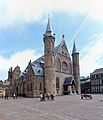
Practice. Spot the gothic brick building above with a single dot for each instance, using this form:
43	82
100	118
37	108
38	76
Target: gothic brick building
54	72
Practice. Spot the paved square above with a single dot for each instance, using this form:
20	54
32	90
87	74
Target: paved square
63	108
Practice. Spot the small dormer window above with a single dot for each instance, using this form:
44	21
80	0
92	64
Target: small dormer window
62	52
42	58
38	71
64	66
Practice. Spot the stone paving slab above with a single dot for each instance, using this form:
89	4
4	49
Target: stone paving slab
63	108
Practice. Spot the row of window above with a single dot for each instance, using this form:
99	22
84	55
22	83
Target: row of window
97	89
100	75
96	81
29	87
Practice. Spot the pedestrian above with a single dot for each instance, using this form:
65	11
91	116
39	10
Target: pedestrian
6	96
1	95
41	97
14	95
52	96
47	95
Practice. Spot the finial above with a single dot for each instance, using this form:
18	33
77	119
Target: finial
74	47
48	31
48	17
63	36
74	38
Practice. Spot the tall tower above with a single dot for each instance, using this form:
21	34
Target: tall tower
49	69
76	70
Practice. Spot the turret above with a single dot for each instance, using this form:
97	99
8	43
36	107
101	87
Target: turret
76	71
49	41
10	72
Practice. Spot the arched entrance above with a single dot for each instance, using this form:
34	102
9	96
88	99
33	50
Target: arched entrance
69	86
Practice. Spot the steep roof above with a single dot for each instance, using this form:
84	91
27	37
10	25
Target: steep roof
39	71
69	80
48	31
74	48
38	64
61	48
100	70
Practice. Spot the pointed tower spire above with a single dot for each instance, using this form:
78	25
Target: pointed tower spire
74	47
63	37
48	31
76	68
49	68
63	41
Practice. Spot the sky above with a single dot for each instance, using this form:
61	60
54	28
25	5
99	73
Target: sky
23	23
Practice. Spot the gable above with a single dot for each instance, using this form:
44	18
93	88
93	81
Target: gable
62	59
62	49
29	70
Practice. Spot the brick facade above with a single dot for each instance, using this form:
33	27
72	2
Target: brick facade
47	74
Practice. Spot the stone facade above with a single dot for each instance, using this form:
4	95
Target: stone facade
51	73
1	89
5	88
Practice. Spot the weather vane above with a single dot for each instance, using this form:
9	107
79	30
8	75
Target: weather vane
63	36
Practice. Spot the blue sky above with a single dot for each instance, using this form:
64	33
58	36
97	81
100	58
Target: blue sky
23	23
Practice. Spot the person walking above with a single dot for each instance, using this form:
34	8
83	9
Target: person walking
52	96
14	95
41	97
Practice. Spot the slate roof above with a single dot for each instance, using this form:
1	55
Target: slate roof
68	80
6	83
48	31
38	64
39	71
98	71
74	48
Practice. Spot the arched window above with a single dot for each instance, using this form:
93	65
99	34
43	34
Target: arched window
40	87
27	87
30	86
64	66
57	82
58	65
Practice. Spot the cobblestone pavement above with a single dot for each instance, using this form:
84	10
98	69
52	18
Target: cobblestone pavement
62	108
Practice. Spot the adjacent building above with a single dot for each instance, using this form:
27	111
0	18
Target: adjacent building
85	83
97	81
1	88
5	88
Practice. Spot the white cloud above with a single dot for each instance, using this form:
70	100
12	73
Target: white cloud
93	55
12	11
20	58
